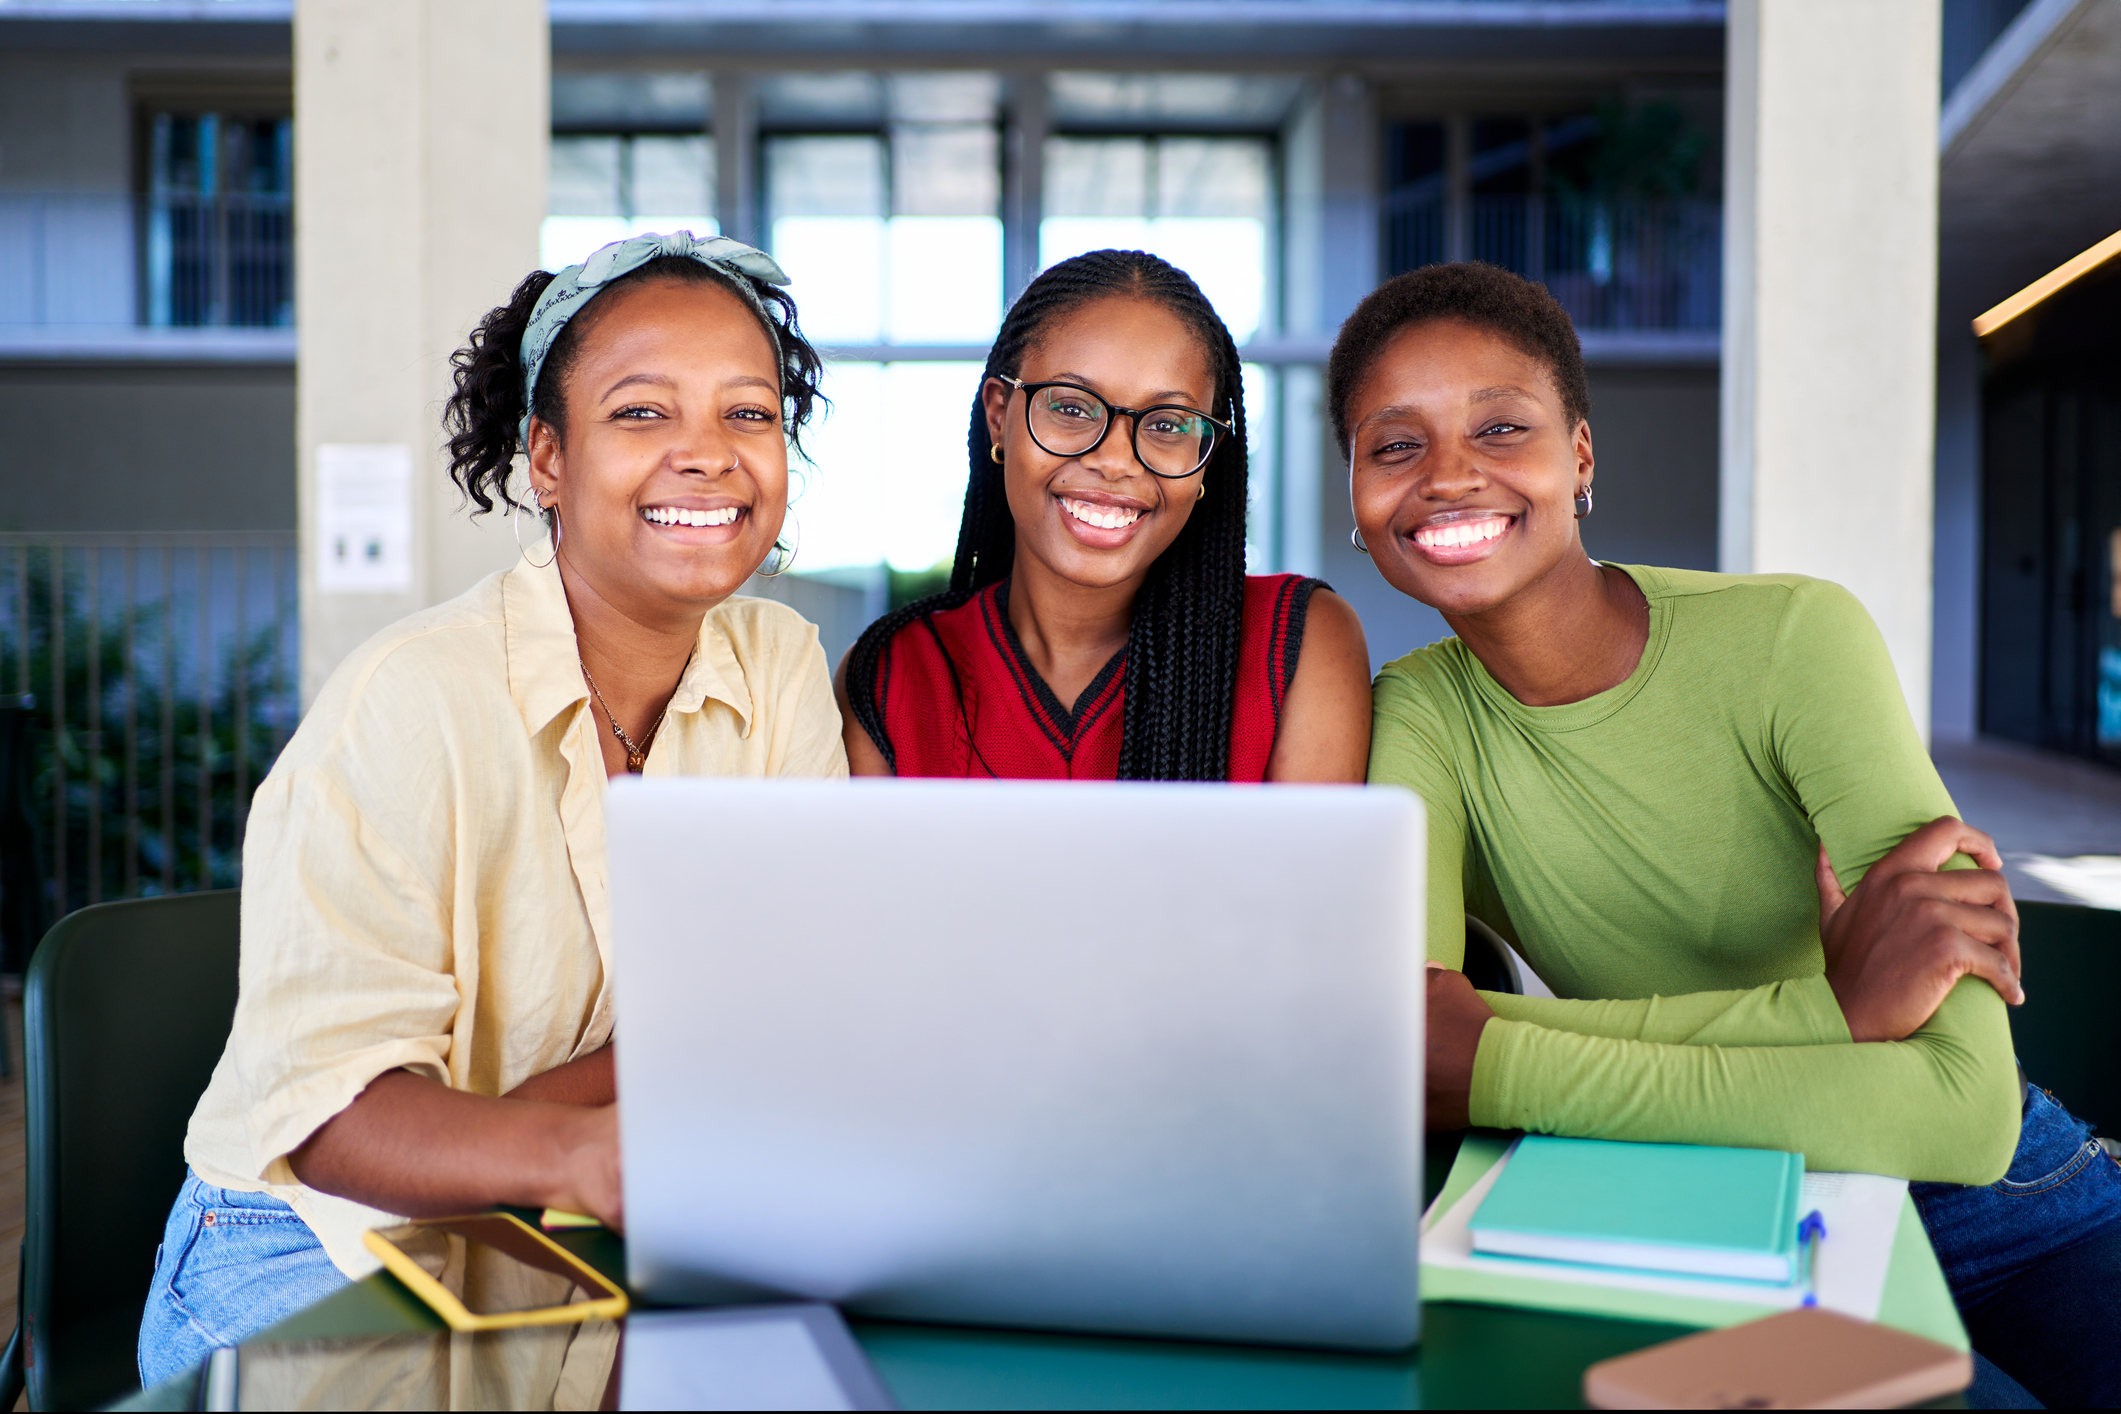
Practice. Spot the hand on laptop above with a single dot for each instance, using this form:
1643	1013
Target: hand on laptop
1899	941
1457	1016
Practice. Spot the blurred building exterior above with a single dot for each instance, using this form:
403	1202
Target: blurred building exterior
1736	224
2028	593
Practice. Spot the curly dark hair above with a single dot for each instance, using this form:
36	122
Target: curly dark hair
1519	311
1181	673
485	413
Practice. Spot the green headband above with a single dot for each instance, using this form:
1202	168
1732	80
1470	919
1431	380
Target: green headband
576	285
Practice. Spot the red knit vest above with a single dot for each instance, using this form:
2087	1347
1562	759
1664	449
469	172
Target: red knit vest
960	698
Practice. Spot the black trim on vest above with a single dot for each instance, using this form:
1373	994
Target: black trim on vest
1060	723
1289	616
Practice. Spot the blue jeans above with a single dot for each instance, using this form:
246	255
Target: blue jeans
2034	1263
230	1265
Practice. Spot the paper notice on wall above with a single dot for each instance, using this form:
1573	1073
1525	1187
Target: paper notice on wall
364	520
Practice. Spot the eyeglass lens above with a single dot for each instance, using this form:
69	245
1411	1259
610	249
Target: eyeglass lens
1170	441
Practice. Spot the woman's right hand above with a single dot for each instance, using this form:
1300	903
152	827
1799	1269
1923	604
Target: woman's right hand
1899	941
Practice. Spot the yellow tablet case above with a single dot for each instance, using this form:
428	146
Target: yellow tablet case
444	1302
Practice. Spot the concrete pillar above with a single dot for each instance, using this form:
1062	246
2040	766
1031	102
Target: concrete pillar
736	127
1027	123
1329	262
1829	318
420	146
1955	687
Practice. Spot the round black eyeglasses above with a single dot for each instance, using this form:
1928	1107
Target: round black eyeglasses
1068	420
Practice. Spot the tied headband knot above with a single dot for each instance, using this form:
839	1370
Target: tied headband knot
576	285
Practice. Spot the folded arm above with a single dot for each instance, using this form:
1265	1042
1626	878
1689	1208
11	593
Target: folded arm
1769	1066
1942	1105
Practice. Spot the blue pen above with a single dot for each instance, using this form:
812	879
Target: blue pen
1810	1233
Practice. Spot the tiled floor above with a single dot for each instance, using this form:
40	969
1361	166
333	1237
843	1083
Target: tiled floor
2033	802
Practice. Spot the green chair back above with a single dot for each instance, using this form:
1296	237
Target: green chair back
2065	1032
126	1009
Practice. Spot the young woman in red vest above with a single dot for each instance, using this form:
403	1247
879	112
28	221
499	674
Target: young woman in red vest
1099	623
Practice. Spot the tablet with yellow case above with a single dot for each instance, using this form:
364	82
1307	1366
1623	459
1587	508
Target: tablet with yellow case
417	1252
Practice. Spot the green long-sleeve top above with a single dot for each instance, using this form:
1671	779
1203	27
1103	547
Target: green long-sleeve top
1650	852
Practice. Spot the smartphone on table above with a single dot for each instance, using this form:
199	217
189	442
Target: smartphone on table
493	1271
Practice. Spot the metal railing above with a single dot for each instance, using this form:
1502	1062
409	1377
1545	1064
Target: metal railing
159	676
179	261
1613	264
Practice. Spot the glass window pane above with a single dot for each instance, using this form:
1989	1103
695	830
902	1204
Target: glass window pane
582	195
831	100
826	198
1203	204
1212	177
631	102
951	97
945	279
888	479
945	245
945	171
1148	101
672	181
1097	177
825	176
835	268
582	177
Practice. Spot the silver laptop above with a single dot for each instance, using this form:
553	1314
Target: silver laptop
1129	1058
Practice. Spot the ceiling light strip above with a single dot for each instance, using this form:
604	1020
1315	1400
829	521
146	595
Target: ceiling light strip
2047	285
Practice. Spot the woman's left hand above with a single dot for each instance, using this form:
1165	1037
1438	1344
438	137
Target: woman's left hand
1457	1016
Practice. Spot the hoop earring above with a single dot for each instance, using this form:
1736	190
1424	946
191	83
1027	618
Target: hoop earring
1202	494
994	450
1583	501
1355	539
781	557
516	521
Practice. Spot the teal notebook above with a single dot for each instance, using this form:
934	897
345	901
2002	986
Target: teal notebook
1681	1208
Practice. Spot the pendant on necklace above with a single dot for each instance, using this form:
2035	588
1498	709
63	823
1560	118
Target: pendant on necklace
635	760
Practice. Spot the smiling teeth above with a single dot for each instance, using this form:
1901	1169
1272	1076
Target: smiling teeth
674	515
1462	532
1103	517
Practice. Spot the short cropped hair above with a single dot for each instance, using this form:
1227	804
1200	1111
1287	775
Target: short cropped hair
1519	311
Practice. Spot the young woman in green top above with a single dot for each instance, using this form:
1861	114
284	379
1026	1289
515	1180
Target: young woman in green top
1697	805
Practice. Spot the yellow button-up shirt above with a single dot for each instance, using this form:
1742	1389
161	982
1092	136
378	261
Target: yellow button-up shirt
424	879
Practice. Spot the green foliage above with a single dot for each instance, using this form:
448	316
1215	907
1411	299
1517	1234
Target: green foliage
909	585
1643	150
160	816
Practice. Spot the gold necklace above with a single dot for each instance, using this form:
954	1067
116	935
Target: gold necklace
636	756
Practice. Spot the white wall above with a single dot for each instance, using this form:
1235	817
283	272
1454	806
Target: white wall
420	129
1829	324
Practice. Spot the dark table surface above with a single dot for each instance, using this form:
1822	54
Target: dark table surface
1469	1356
